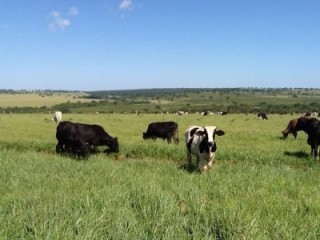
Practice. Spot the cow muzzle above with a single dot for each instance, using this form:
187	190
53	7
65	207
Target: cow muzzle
212	146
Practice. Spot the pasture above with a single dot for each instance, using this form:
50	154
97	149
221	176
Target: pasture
41	99
261	187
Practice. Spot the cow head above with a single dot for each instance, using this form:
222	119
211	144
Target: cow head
145	135
208	144
286	132
291	128
113	145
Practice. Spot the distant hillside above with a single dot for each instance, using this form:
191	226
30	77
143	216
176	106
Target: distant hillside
232	100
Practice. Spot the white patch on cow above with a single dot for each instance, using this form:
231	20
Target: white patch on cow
210	131
57	117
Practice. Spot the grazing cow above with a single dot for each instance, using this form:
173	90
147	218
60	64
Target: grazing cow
222	113
206	113
311	126
164	130
57	117
181	113
291	128
311	114
200	141
79	138
262	116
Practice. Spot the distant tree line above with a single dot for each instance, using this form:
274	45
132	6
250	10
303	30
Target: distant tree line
232	100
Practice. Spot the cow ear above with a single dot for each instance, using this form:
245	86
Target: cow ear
219	132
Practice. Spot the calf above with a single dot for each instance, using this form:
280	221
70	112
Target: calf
311	126
164	130
200	141
80	138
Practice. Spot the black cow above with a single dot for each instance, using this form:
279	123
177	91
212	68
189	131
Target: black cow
262	116
79	138
311	126
164	130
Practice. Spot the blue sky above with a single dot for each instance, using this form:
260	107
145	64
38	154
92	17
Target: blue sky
130	44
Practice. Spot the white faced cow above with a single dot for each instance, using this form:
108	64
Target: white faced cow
200	141
57	117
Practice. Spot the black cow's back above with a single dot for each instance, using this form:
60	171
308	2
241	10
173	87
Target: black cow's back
164	130
95	135
307	124
69	133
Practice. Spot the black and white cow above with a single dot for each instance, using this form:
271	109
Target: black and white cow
200	142
80	138
164	130
262	115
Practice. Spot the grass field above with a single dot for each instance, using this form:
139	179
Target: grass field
261	187
40	99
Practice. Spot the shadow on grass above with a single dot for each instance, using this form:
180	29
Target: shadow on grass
49	148
189	168
298	154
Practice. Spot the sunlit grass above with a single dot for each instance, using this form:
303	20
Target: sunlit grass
261	187
40	100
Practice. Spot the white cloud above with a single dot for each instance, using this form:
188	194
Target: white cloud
57	22
73	11
125	5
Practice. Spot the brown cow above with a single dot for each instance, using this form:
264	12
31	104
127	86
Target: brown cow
291	128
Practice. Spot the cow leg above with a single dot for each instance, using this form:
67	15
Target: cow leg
189	158
315	151
80	148
93	148
198	160
211	160
203	165
210	163
83	151
59	148
312	150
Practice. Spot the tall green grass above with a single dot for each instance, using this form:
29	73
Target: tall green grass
261	187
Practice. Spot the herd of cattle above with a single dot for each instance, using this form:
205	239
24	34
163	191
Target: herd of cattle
81	139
